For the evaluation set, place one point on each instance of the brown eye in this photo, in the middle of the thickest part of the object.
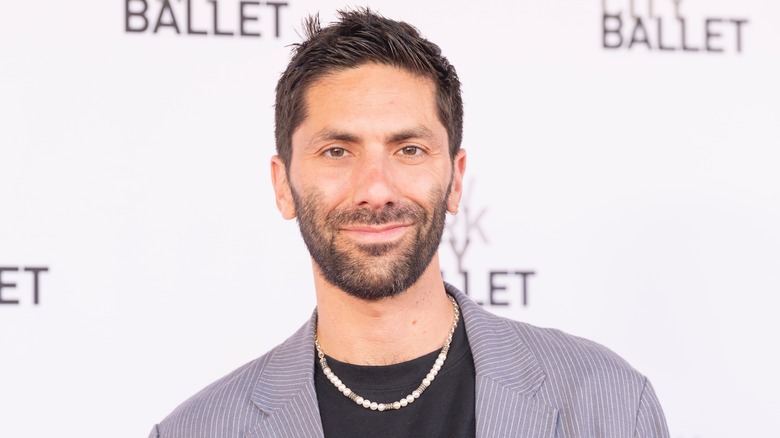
(410, 151)
(336, 152)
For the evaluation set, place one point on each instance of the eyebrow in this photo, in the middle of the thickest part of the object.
(419, 132)
(396, 137)
(335, 135)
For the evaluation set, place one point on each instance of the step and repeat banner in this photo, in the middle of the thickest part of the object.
(622, 185)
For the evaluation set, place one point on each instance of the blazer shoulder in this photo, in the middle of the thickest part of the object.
(576, 359)
(592, 385)
(213, 410)
(228, 406)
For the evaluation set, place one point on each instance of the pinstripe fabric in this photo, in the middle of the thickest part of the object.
(530, 382)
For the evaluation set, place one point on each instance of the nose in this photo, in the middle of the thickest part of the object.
(373, 181)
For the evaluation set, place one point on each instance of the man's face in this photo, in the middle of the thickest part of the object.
(370, 179)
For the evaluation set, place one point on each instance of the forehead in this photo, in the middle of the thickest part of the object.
(370, 73)
(382, 96)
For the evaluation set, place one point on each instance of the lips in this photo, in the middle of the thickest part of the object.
(375, 233)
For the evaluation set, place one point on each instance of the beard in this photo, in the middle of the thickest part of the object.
(371, 271)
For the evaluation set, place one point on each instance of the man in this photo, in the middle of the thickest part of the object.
(368, 133)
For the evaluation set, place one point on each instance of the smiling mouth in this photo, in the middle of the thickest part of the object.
(375, 233)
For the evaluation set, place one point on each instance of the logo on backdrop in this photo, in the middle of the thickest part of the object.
(668, 26)
(20, 285)
(488, 287)
(226, 18)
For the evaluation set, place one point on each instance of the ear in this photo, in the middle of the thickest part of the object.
(456, 190)
(284, 199)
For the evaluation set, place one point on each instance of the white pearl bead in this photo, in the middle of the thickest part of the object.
(409, 398)
(397, 405)
(416, 394)
(426, 382)
(327, 371)
(403, 402)
(366, 403)
(437, 367)
(429, 376)
(381, 407)
(442, 356)
(347, 391)
(373, 406)
(359, 400)
(342, 387)
(440, 362)
(434, 372)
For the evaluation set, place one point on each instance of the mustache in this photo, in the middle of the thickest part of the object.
(367, 216)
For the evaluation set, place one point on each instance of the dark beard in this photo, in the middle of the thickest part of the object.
(354, 268)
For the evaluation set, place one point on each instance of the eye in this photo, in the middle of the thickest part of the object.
(410, 151)
(335, 153)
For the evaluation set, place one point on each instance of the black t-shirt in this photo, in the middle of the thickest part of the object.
(445, 409)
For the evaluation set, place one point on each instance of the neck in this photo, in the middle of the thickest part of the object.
(388, 331)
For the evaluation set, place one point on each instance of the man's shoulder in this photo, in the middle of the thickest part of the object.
(579, 371)
(227, 406)
(557, 350)
(583, 374)
(238, 384)
(557, 353)
(566, 361)
(584, 381)
(216, 406)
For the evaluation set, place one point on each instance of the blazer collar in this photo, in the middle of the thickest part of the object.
(508, 376)
(285, 390)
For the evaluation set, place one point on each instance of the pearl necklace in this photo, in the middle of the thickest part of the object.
(426, 382)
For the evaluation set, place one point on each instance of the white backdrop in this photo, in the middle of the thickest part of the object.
(629, 194)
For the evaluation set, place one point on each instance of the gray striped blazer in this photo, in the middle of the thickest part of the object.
(530, 382)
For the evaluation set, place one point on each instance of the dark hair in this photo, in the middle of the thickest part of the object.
(362, 36)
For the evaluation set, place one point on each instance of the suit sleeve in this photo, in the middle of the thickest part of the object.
(155, 433)
(650, 420)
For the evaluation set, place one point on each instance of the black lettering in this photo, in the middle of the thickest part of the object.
(459, 253)
(244, 18)
(636, 38)
(677, 9)
(216, 21)
(524, 275)
(276, 7)
(661, 45)
(190, 30)
(632, 9)
(738, 23)
(494, 287)
(471, 225)
(710, 34)
(612, 31)
(141, 14)
(682, 35)
(166, 6)
(36, 282)
(7, 285)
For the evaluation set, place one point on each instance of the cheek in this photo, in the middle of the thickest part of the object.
(423, 187)
(326, 202)
(328, 184)
(314, 205)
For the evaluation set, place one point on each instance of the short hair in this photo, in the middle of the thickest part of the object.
(359, 37)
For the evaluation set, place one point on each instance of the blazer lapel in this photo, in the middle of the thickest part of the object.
(507, 377)
(285, 390)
